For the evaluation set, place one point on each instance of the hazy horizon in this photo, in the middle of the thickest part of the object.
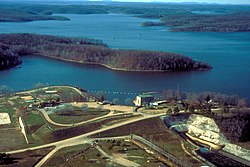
(246, 2)
(192, 1)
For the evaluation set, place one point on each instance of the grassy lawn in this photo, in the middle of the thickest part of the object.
(33, 117)
(77, 156)
(11, 139)
(42, 135)
(129, 151)
(121, 119)
(76, 116)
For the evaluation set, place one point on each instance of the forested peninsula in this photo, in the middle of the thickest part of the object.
(92, 52)
(22, 16)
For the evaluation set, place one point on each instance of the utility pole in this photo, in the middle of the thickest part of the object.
(178, 91)
(130, 133)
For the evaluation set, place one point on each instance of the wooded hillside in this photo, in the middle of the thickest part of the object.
(235, 126)
(8, 58)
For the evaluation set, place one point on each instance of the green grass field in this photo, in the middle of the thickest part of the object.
(77, 115)
(11, 139)
(77, 156)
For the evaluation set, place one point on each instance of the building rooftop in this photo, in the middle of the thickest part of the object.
(145, 95)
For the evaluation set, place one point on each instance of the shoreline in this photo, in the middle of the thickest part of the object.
(112, 68)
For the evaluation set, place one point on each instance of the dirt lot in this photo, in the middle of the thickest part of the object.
(4, 118)
(107, 106)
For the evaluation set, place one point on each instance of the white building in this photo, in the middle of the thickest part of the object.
(143, 99)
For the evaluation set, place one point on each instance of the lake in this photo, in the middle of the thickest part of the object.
(228, 53)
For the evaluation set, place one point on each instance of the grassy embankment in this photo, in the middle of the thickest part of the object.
(77, 115)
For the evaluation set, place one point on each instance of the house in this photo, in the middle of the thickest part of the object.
(49, 104)
(143, 100)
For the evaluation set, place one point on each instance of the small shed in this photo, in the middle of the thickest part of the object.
(143, 99)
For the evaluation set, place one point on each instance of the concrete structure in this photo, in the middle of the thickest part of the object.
(143, 99)
(4, 118)
(22, 127)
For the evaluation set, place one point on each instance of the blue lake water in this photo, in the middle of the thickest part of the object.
(228, 53)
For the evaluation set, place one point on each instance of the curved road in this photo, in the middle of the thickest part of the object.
(46, 116)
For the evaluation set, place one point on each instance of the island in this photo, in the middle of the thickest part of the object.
(91, 52)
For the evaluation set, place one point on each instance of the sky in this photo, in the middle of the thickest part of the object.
(199, 1)
(177, 1)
